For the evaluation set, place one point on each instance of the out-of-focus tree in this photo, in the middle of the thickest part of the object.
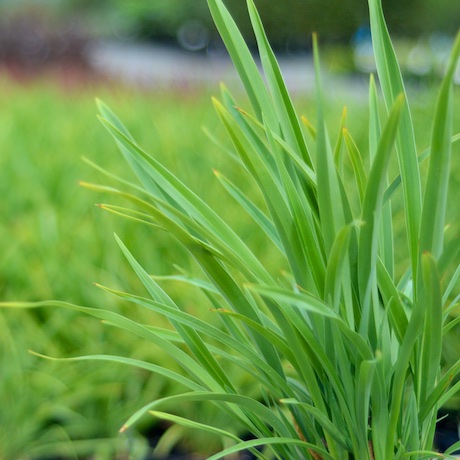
(289, 23)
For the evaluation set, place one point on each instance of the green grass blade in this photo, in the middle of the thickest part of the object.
(401, 367)
(204, 285)
(311, 448)
(182, 358)
(287, 117)
(396, 182)
(386, 243)
(326, 423)
(430, 359)
(453, 448)
(392, 86)
(449, 257)
(266, 416)
(300, 300)
(177, 316)
(192, 424)
(357, 163)
(221, 279)
(448, 395)
(392, 299)
(243, 61)
(130, 214)
(306, 171)
(442, 386)
(435, 198)
(154, 368)
(374, 119)
(329, 191)
(309, 262)
(277, 340)
(107, 114)
(363, 395)
(274, 193)
(258, 216)
(335, 268)
(184, 199)
(338, 155)
(373, 200)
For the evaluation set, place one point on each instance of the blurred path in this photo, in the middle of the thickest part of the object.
(156, 65)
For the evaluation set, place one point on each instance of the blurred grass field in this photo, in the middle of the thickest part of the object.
(54, 243)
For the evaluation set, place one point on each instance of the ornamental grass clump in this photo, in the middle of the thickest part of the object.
(344, 347)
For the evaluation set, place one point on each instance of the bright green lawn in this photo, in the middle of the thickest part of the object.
(54, 243)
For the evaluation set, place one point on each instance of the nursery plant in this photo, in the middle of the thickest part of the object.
(344, 342)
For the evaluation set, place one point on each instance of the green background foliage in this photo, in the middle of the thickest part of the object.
(54, 243)
(332, 19)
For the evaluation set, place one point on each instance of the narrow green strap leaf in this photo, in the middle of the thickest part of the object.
(184, 200)
(401, 367)
(396, 182)
(276, 441)
(277, 340)
(130, 214)
(374, 119)
(454, 447)
(246, 124)
(386, 243)
(243, 61)
(312, 357)
(274, 192)
(392, 300)
(192, 424)
(290, 150)
(300, 300)
(435, 198)
(325, 422)
(259, 217)
(448, 395)
(307, 262)
(453, 323)
(182, 358)
(178, 317)
(287, 116)
(363, 394)
(160, 370)
(236, 401)
(357, 163)
(371, 212)
(331, 201)
(339, 143)
(310, 128)
(335, 267)
(429, 363)
(107, 113)
(450, 257)
(433, 400)
(187, 279)
(392, 85)
(221, 280)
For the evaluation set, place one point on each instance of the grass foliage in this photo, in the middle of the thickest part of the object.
(54, 245)
(342, 343)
